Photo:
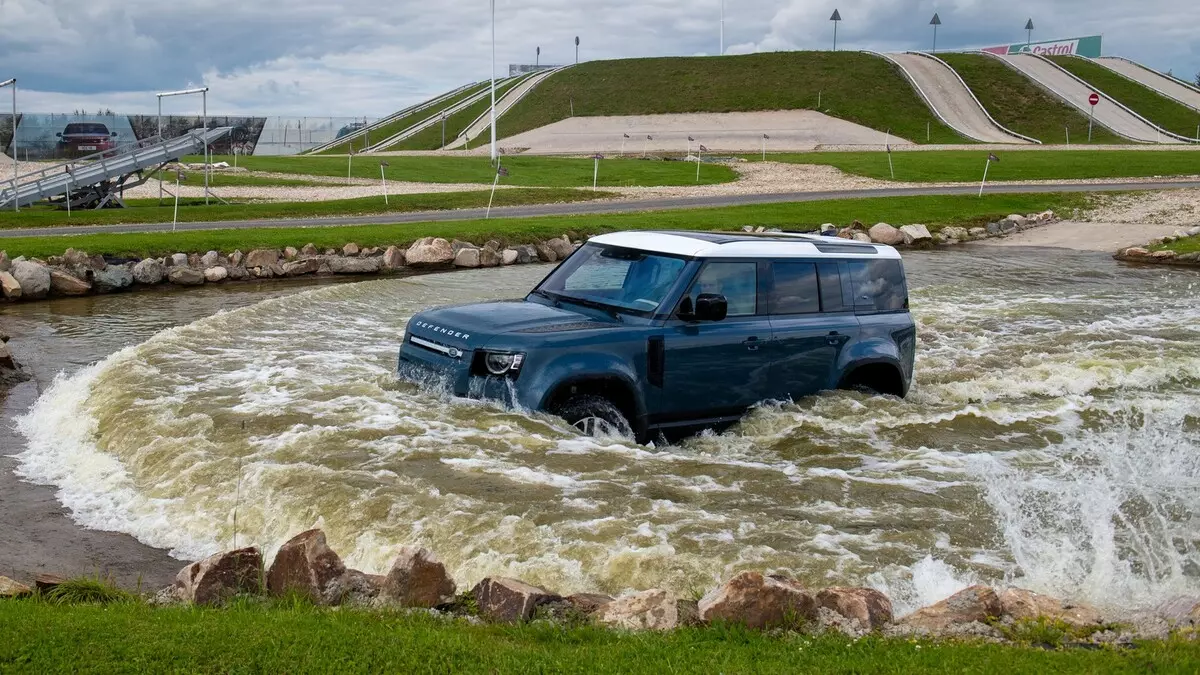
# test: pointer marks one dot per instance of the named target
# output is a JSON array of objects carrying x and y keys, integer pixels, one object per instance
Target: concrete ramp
[
  {"x": 1152, "y": 79},
  {"x": 506, "y": 103},
  {"x": 1109, "y": 113},
  {"x": 950, "y": 99}
]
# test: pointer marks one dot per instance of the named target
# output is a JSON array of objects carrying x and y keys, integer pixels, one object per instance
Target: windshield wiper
[
  {"x": 549, "y": 296},
  {"x": 594, "y": 305}
]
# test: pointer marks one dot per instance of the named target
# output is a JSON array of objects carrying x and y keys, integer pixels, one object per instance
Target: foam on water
[{"x": 1051, "y": 441}]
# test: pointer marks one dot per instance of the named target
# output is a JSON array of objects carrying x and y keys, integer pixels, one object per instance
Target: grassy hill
[
  {"x": 403, "y": 123},
  {"x": 431, "y": 138},
  {"x": 1166, "y": 113},
  {"x": 852, "y": 86},
  {"x": 1018, "y": 103}
]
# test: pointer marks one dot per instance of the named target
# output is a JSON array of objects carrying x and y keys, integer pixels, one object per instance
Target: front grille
[{"x": 437, "y": 347}]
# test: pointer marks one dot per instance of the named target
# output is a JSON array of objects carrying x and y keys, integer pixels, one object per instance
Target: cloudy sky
[{"x": 365, "y": 57}]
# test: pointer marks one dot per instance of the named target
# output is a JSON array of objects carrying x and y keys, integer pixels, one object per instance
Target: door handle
[
  {"x": 835, "y": 338},
  {"x": 751, "y": 343}
]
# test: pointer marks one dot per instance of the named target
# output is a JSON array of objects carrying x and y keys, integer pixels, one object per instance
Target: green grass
[
  {"x": 219, "y": 179},
  {"x": 402, "y": 123},
  {"x": 853, "y": 86},
  {"x": 1165, "y": 112},
  {"x": 193, "y": 210},
  {"x": 250, "y": 638},
  {"x": 431, "y": 138},
  {"x": 1180, "y": 246},
  {"x": 936, "y": 212},
  {"x": 1017, "y": 165},
  {"x": 523, "y": 171},
  {"x": 1022, "y": 106}
]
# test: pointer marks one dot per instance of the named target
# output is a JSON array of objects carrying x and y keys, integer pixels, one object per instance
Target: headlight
[{"x": 502, "y": 363}]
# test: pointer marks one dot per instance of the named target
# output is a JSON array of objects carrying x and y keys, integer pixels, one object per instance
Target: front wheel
[{"x": 595, "y": 416}]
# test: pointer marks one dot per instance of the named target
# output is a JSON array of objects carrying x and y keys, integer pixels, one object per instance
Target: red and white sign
[{"x": 1094, "y": 98}]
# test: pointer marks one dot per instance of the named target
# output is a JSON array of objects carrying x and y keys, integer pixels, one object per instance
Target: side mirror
[
  {"x": 711, "y": 307},
  {"x": 59, "y": 134},
  {"x": 113, "y": 134}
]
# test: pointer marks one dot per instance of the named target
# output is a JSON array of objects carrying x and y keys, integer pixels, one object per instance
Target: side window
[
  {"x": 737, "y": 281},
  {"x": 830, "y": 279},
  {"x": 879, "y": 285},
  {"x": 795, "y": 289}
]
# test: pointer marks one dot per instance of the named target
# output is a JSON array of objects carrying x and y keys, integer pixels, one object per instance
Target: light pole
[
  {"x": 494, "y": 153},
  {"x": 203, "y": 91},
  {"x": 1029, "y": 33},
  {"x": 576, "y": 50},
  {"x": 935, "y": 22},
  {"x": 835, "y": 18},
  {"x": 13, "y": 144},
  {"x": 537, "y": 59},
  {"x": 722, "y": 52}
]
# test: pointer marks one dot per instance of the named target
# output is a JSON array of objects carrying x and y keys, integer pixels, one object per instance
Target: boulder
[
  {"x": 417, "y": 579},
  {"x": 862, "y": 236},
  {"x": 1019, "y": 604},
  {"x": 828, "y": 227},
  {"x": 45, "y": 583},
  {"x": 959, "y": 233},
  {"x": 758, "y": 601},
  {"x": 1157, "y": 255},
  {"x": 210, "y": 259},
  {"x": 179, "y": 260},
  {"x": 649, "y": 610},
  {"x": 393, "y": 258},
  {"x": 429, "y": 252},
  {"x": 185, "y": 276},
  {"x": 5, "y": 263},
  {"x": 13, "y": 589},
  {"x": 489, "y": 257},
  {"x": 561, "y": 246},
  {"x": 238, "y": 273},
  {"x": 371, "y": 252},
  {"x": 871, "y": 608},
  {"x": 113, "y": 278},
  {"x": 509, "y": 600},
  {"x": 261, "y": 257},
  {"x": 527, "y": 253},
  {"x": 916, "y": 235},
  {"x": 309, "y": 250},
  {"x": 351, "y": 249},
  {"x": 845, "y": 233},
  {"x": 993, "y": 228},
  {"x": 1135, "y": 252},
  {"x": 1005, "y": 226},
  {"x": 353, "y": 587},
  {"x": 290, "y": 253},
  {"x": 978, "y": 232},
  {"x": 276, "y": 270},
  {"x": 74, "y": 258},
  {"x": 1018, "y": 220},
  {"x": 7, "y": 362},
  {"x": 33, "y": 278},
  {"x": 467, "y": 257},
  {"x": 215, "y": 274},
  {"x": 588, "y": 603},
  {"x": 339, "y": 265},
  {"x": 977, "y": 603},
  {"x": 64, "y": 283},
  {"x": 1189, "y": 257},
  {"x": 508, "y": 256},
  {"x": 148, "y": 272},
  {"x": 459, "y": 244},
  {"x": 305, "y": 565},
  {"x": 882, "y": 233},
  {"x": 216, "y": 579},
  {"x": 236, "y": 259},
  {"x": 545, "y": 253},
  {"x": 299, "y": 268},
  {"x": 10, "y": 286}
]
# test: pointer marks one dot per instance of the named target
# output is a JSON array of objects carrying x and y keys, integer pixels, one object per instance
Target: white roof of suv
[{"x": 746, "y": 245}]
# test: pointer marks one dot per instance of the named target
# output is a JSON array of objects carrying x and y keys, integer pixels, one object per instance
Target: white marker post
[
  {"x": 69, "y": 193},
  {"x": 349, "y": 162},
  {"x": 764, "y": 147},
  {"x": 646, "y": 144},
  {"x": 596, "y": 170},
  {"x": 175, "y": 218},
  {"x": 13, "y": 144},
  {"x": 887, "y": 145},
  {"x": 624, "y": 138},
  {"x": 689, "y": 152},
  {"x": 1068, "y": 136},
  {"x": 699, "y": 154},
  {"x": 500, "y": 171},
  {"x": 991, "y": 158},
  {"x": 1093, "y": 99},
  {"x": 383, "y": 179}
]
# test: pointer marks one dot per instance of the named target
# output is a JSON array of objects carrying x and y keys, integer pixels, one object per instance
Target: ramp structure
[
  {"x": 506, "y": 103},
  {"x": 378, "y": 124},
  {"x": 436, "y": 118},
  {"x": 1152, "y": 79},
  {"x": 96, "y": 181}
]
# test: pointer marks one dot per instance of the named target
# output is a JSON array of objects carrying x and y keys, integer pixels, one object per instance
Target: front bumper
[{"x": 431, "y": 364}]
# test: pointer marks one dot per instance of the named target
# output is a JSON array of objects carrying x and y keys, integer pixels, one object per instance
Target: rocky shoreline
[
  {"x": 1144, "y": 254},
  {"x": 306, "y": 568}
]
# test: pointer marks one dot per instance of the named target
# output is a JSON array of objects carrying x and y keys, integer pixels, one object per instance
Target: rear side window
[
  {"x": 878, "y": 285},
  {"x": 831, "y": 288},
  {"x": 795, "y": 290}
]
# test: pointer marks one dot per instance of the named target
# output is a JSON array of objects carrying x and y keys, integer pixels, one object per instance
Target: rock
[
  {"x": 828, "y": 227},
  {"x": 993, "y": 228},
  {"x": 588, "y": 603},
  {"x": 148, "y": 272},
  {"x": 758, "y": 601},
  {"x": 179, "y": 260},
  {"x": 526, "y": 254},
  {"x": 916, "y": 235},
  {"x": 861, "y": 236},
  {"x": 276, "y": 270},
  {"x": 45, "y": 583},
  {"x": 210, "y": 259},
  {"x": 561, "y": 246},
  {"x": 418, "y": 579},
  {"x": 330, "y": 252},
  {"x": 305, "y": 565},
  {"x": 959, "y": 233},
  {"x": 7, "y": 363},
  {"x": 301, "y": 267},
  {"x": 649, "y": 610},
  {"x": 353, "y": 587},
  {"x": 1047, "y": 216},
  {"x": 238, "y": 273},
  {"x": 870, "y": 607},
  {"x": 882, "y": 233},
  {"x": 113, "y": 278},
  {"x": 1135, "y": 252},
  {"x": 1005, "y": 226},
  {"x": 339, "y": 265},
  {"x": 509, "y": 600},
  {"x": 215, "y": 579},
  {"x": 1157, "y": 255},
  {"x": 845, "y": 233},
  {"x": 978, "y": 232},
  {"x": 467, "y": 257},
  {"x": 1019, "y": 604},
  {"x": 545, "y": 253},
  {"x": 10, "y": 286},
  {"x": 429, "y": 252},
  {"x": 215, "y": 274},
  {"x": 351, "y": 249},
  {"x": 1018, "y": 220},
  {"x": 1189, "y": 257},
  {"x": 489, "y": 257},
  {"x": 370, "y": 252},
  {"x": 290, "y": 253},
  {"x": 508, "y": 256},
  {"x": 393, "y": 258},
  {"x": 13, "y": 589},
  {"x": 185, "y": 276},
  {"x": 33, "y": 278},
  {"x": 459, "y": 244},
  {"x": 73, "y": 258},
  {"x": 236, "y": 259},
  {"x": 748, "y": 228},
  {"x": 63, "y": 283},
  {"x": 977, "y": 603},
  {"x": 262, "y": 257},
  {"x": 5, "y": 263},
  {"x": 309, "y": 250}
]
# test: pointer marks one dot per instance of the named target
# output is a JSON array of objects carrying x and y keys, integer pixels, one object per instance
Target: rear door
[{"x": 812, "y": 319}]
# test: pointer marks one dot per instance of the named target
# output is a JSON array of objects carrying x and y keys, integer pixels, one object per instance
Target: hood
[{"x": 472, "y": 326}]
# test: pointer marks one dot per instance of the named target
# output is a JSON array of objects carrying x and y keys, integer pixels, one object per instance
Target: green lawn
[
  {"x": 1165, "y": 112},
  {"x": 936, "y": 212},
  {"x": 1181, "y": 246},
  {"x": 194, "y": 210},
  {"x": 431, "y": 138},
  {"x": 132, "y": 637},
  {"x": 402, "y": 123},
  {"x": 522, "y": 170},
  {"x": 1019, "y": 104},
  {"x": 1017, "y": 165},
  {"x": 851, "y": 85},
  {"x": 218, "y": 179}
]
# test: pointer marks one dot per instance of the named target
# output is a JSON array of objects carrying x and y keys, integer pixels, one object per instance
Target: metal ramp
[
  {"x": 365, "y": 131},
  {"x": 96, "y": 181},
  {"x": 437, "y": 117}
]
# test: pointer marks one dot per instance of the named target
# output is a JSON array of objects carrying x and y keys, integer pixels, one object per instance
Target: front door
[{"x": 812, "y": 319}]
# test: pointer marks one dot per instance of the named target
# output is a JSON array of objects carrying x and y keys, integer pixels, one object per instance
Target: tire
[{"x": 595, "y": 416}]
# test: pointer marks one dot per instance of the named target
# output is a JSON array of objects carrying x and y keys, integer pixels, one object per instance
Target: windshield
[
  {"x": 86, "y": 128},
  {"x": 620, "y": 278}
]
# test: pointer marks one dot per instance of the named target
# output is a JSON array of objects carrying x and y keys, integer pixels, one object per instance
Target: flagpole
[{"x": 985, "y": 173}]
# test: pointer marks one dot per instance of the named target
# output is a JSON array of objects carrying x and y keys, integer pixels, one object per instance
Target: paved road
[
  {"x": 1167, "y": 86},
  {"x": 949, "y": 97},
  {"x": 592, "y": 208}
]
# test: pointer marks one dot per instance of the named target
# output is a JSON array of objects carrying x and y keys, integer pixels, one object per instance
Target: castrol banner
[{"x": 1083, "y": 46}]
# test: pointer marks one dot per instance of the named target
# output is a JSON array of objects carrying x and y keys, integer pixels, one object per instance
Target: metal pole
[
  {"x": 985, "y": 170},
  {"x": 934, "y": 50},
  {"x": 1068, "y": 135},
  {"x": 1091, "y": 118},
  {"x": 175, "y": 218},
  {"x": 68, "y": 198},
  {"x": 722, "y": 52},
  {"x": 494, "y": 154},
  {"x": 835, "y": 23},
  {"x": 495, "y": 181},
  {"x": 383, "y": 179},
  {"x": 207, "y": 163},
  {"x": 698, "y": 154},
  {"x": 595, "y": 174},
  {"x": 16, "y": 202}
]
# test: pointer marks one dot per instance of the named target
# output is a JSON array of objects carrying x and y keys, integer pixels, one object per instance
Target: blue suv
[{"x": 653, "y": 334}]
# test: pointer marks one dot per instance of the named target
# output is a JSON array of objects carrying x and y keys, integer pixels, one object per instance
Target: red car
[{"x": 85, "y": 138}]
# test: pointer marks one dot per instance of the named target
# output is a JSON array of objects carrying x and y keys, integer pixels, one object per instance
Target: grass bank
[
  {"x": 935, "y": 211},
  {"x": 1019, "y": 165},
  {"x": 402, "y": 123},
  {"x": 222, "y": 179},
  {"x": 431, "y": 138},
  {"x": 1019, "y": 104},
  {"x": 1180, "y": 246},
  {"x": 132, "y": 637},
  {"x": 1165, "y": 112},
  {"x": 194, "y": 210},
  {"x": 851, "y": 85}
]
